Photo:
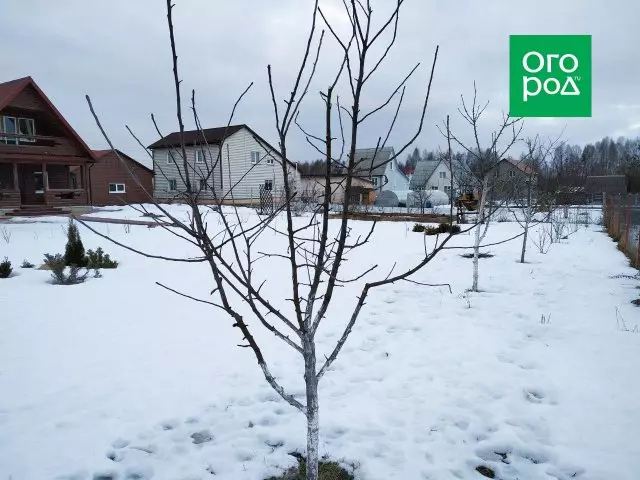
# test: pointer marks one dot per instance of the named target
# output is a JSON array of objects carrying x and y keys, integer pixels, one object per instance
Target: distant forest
[{"x": 568, "y": 164}]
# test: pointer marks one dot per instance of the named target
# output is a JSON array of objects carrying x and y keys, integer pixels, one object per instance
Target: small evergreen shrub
[
  {"x": 57, "y": 265},
  {"x": 99, "y": 259},
  {"x": 74, "y": 250},
  {"x": 5, "y": 268},
  {"x": 448, "y": 228},
  {"x": 27, "y": 264},
  {"x": 418, "y": 227},
  {"x": 441, "y": 229}
]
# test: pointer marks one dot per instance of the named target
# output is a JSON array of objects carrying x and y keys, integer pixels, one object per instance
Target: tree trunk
[
  {"x": 527, "y": 221},
  {"x": 313, "y": 427},
  {"x": 524, "y": 241},
  {"x": 478, "y": 238},
  {"x": 476, "y": 252}
]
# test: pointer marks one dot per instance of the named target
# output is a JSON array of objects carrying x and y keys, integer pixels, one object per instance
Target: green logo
[{"x": 550, "y": 75}]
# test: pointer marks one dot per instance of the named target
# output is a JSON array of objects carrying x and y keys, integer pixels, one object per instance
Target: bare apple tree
[
  {"x": 482, "y": 164},
  {"x": 526, "y": 196},
  {"x": 313, "y": 251}
]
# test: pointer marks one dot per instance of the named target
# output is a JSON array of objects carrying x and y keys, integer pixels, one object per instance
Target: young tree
[
  {"x": 482, "y": 162},
  {"x": 526, "y": 193},
  {"x": 313, "y": 252},
  {"x": 74, "y": 250}
]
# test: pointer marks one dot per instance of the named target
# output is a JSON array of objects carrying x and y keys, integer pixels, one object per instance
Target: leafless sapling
[
  {"x": 313, "y": 251},
  {"x": 482, "y": 165}
]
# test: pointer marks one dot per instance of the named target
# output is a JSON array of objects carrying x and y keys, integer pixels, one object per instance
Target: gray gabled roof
[
  {"x": 423, "y": 171},
  {"x": 373, "y": 166}
]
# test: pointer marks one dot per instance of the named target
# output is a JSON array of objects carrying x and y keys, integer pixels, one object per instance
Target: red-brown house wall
[{"x": 108, "y": 169}]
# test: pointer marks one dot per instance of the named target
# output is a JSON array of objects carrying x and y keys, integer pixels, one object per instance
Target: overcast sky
[{"x": 117, "y": 51}]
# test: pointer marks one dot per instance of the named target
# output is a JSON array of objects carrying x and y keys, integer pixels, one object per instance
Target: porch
[{"x": 42, "y": 184}]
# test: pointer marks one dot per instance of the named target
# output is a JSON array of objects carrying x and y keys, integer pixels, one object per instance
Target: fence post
[{"x": 627, "y": 224}]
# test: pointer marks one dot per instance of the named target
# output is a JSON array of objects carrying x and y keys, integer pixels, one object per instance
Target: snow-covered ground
[{"x": 111, "y": 379}]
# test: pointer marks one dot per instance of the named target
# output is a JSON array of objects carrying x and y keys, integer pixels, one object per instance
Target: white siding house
[
  {"x": 433, "y": 175},
  {"x": 247, "y": 163}
]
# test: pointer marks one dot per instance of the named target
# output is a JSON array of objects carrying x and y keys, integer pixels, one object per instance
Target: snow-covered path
[{"x": 119, "y": 379}]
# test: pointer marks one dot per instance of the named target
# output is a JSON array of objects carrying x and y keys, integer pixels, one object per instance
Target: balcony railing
[{"x": 29, "y": 140}]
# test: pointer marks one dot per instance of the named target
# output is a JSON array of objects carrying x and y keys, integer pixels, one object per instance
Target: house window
[
  {"x": 512, "y": 173},
  {"x": 8, "y": 125},
  {"x": 200, "y": 156},
  {"x": 391, "y": 165},
  {"x": 117, "y": 188},
  {"x": 443, "y": 174},
  {"x": 268, "y": 184},
  {"x": 169, "y": 158},
  {"x": 26, "y": 126},
  {"x": 270, "y": 160},
  {"x": 255, "y": 157},
  {"x": 496, "y": 173},
  {"x": 435, "y": 187},
  {"x": 173, "y": 185},
  {"x": 374, "y": 180},
  {"x": 203, "y": 184}
]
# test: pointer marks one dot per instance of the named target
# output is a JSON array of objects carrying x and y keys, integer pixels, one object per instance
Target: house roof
[
  {"x": 9, "y": 90},
  {"x": 213, "y": 136},
  {"x": 371, "y": 162},
  {"x": 98, "y": 154},
  {"x": 423, "y": 171},
  {"x": 606, "y": 184},
  {"x": 524, "y": 167}
]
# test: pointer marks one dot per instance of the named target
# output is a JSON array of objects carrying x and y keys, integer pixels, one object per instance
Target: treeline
[{"x": 568, "y": 164}]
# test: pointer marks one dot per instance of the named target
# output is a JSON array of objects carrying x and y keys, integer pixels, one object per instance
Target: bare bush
[{"x": 5, "y": 233}]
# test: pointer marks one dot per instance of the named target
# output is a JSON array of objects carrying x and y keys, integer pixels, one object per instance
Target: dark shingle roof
[
  {"x": 606, "y": 184},
  {"x": 214, "y": 136}
]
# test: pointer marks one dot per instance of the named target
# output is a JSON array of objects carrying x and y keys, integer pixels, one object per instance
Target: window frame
[
  {"x": 374, "y": 180},
  {"x": 269, "y": 160},
  {"x": 434, "y": 187},
  {"x": 204, "y": 157},
  {"x": 3, "y": 129},
  {"x": 443, "y": 175},
  {"x": 169, "y": 159},
  {"x": 268, "y": 185},
  {"x": 33, "y": 129},
  {"x": 116, "y": 185},
  {"x": 512, "y": 174},
  {"x": 256, "y": 160},
  {"x": 172, "y": 183}
]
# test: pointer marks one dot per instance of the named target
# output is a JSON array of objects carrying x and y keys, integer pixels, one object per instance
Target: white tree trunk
[
  {"x": 479, "y": 237},
  {"x": 313, "y": 426}
]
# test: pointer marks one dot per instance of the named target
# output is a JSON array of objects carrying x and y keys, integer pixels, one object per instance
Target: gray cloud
[{"x": 118, "y": 52}]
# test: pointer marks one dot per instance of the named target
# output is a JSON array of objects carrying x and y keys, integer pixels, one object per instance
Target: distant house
[
  {"x": 433, "y": 175},
  {"x": 385, "y": 174},
  {"x": 247, "y": 163},
  {"x": 43, "y": 161},
  {"x": 113, "y": 183},
  {"x": 510, "y": 178},
  {"x": 312, "y": 189}
]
